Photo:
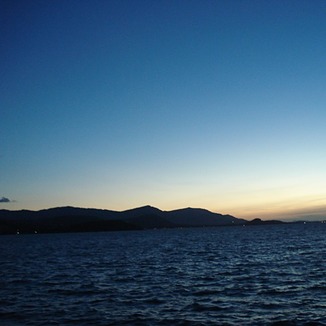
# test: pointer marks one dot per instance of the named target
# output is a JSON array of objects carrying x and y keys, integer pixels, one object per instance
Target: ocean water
[{"x": 257, "y": 275}]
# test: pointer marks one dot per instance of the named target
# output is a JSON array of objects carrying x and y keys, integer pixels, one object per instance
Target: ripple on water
[{"x": 209, "y": 276}]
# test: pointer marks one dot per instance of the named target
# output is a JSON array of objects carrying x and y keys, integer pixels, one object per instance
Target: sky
[{"x": 118, "y": 104}]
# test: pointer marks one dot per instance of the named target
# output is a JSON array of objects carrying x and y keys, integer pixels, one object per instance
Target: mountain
[
  {"x": 258, "y": 221},
  {"x": 147, "y": 217},
  {"x": 201, "y": 217},
  {"x": 72, "y": 219}
]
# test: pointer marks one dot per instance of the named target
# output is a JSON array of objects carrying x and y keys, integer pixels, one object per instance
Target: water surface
[{"x": 257, "y": 275}]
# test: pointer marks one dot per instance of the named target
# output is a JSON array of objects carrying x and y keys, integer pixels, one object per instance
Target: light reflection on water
[{"x": 254, "y": 275}]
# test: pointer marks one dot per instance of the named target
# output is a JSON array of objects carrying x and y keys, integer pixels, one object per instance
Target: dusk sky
[{"x": 119, "y": 104}]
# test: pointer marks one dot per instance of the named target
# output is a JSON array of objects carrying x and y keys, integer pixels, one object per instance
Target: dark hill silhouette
[
  {"x": 201, "y": 217},
  {"x": 147, "y": 217},
  {"x": 151, "y": 221},
  {"x": 258, "y": 221},
  {"x": 72, "y": 219},
  {"x": 144, "y": 210},
  {"x": 75, "y": 211}
]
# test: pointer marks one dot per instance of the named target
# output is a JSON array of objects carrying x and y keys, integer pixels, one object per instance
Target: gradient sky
[{"x": 118, "y": 104}]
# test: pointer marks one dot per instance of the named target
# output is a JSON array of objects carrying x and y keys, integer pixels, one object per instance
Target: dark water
[{"x": 257, "y": 275}]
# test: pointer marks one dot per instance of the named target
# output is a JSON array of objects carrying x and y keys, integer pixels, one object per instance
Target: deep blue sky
[{"x": 118, "y": 104}]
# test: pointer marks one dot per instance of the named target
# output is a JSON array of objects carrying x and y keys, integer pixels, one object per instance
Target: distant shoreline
[{"x": 72, "y": 219}]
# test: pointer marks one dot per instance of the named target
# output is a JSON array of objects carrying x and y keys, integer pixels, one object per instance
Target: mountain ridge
[{"x": 77, "y": 219}]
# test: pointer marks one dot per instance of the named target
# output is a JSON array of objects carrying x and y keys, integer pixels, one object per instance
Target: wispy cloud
[{"x": 5, "y": 200}]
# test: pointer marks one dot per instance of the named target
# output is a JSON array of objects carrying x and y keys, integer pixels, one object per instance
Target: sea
[{"x": 252, "y": 275}]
